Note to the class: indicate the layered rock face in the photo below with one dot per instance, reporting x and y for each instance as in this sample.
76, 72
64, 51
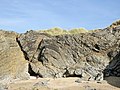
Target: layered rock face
83, 55
12, 62
90, 56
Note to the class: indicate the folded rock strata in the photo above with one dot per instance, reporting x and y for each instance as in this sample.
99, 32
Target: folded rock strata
83, 55
90, 56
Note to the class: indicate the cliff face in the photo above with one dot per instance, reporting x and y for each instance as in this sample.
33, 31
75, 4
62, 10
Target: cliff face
12, 62
83, 55
87, 55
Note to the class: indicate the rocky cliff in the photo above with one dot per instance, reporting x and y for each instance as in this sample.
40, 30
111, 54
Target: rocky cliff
90, 56
13, 65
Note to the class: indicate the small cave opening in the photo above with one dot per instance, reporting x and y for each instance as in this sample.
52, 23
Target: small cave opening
32, 73
67, 75
74, 75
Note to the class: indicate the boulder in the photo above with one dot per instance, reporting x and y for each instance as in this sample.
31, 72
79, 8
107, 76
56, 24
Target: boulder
30, 41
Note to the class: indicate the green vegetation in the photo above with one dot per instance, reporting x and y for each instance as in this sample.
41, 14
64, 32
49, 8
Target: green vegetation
77, 30
59, 31
115, 24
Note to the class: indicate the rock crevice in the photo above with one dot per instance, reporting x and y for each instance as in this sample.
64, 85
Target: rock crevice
91, 56
24, 53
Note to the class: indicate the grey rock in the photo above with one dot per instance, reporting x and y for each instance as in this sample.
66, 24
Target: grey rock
65, 54
78, 80
87, 87
30, 41
3, 87
42, 83
86, 54
90, 56
99, 77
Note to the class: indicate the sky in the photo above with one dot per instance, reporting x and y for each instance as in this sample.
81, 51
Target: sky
23, 15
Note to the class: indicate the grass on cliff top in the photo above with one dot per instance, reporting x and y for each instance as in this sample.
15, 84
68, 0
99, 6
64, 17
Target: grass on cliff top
59, 31
115, 24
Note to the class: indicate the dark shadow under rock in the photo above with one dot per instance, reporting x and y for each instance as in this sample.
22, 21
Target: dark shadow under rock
114, 81
112, 71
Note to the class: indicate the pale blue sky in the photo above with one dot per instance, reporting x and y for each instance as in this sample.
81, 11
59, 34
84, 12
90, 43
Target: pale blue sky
23, 15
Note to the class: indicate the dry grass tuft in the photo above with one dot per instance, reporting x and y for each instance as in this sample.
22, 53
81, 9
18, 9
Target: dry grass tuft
58, 31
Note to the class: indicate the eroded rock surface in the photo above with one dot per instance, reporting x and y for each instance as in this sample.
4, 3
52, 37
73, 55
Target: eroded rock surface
12, 62
90, 56
83, 55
